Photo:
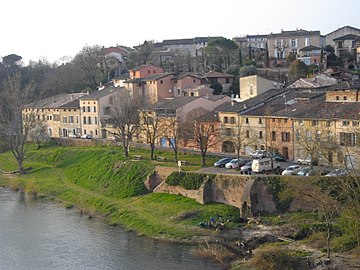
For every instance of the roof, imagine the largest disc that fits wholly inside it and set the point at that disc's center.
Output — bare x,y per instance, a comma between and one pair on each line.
346,85
142,66
310,48
300,32
319,108
257,36
346,26
282,103
189,74
347,37
153,77
101,93
237,107
177,102
214,74
318,81
61,100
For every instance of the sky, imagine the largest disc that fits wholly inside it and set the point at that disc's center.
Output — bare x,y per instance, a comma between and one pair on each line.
54,29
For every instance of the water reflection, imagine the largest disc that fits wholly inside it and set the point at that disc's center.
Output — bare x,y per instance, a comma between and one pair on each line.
41,235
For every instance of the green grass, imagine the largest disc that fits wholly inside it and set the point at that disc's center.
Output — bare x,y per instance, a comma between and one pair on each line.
99,179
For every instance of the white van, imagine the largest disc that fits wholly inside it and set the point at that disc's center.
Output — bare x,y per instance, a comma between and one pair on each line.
264,164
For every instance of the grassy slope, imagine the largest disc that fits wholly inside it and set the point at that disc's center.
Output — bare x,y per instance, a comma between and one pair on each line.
100,179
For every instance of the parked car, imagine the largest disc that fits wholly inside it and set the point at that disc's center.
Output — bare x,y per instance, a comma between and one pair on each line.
306,161
247,168
292,170
276,156
221,163
86,136
72,135
337,172
258,154
236,163
263,165
307,171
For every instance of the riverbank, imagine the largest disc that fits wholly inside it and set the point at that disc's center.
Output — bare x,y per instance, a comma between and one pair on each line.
100,180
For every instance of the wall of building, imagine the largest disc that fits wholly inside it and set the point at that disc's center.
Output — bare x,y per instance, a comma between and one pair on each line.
329,38
254,85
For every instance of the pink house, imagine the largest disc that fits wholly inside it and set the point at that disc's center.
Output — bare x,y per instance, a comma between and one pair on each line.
145,71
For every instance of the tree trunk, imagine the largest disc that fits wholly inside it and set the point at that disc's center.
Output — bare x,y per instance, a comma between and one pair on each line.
203,157
176,155
126,147
20,163
152,148
328,239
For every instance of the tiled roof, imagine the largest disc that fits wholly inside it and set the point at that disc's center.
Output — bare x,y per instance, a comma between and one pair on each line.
73,104
55,101
101,93
256,36
177,102
300,32
346,85
321,109
214,74
249,103
189,74
141,67
156,76
310,48
347,37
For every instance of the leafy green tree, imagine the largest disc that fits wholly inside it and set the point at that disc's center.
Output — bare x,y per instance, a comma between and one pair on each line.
12,63
221,52
247,71
298,69
217,88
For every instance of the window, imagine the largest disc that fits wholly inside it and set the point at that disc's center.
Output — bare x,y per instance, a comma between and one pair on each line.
84,120
94,109
96,132
88,109
251,90
285,136
228,131
308,135
328,123
89,120
345,123
307,41
95,120
297,135
273,135
232,120
161,81
285,121
345,97
260,120
77,119
337,98
348,139
293,42
71,119
355,123
194,81
314,122
273,120
260,134
226,120
83,109
247,120
248,134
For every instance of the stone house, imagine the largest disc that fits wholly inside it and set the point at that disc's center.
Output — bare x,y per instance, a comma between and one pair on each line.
251,86
281,45
59,113
340,32
96,111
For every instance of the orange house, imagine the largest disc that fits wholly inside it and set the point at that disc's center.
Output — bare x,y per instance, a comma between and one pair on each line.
145,71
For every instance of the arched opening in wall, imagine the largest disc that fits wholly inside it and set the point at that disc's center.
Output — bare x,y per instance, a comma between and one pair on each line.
228,147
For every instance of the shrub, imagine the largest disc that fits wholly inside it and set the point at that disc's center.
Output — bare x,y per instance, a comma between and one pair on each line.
189,181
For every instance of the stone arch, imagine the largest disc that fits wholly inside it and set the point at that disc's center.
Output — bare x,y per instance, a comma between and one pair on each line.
228,147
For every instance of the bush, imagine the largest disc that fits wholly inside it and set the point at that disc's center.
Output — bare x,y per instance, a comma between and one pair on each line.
189,181
273,257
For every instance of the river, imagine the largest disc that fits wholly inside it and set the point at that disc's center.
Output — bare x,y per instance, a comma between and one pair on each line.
35,234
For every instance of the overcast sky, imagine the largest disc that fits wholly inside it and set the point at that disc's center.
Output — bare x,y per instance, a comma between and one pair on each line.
52,29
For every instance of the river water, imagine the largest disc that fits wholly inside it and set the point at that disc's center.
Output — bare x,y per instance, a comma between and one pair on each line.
41,235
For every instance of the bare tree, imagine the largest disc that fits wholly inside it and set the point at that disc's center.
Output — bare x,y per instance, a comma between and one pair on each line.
150,127
202,131
38,133
327,206
125,118
14,130
173,133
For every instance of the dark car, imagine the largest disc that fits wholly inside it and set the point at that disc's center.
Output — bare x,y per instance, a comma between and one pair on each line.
221,163
276,156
